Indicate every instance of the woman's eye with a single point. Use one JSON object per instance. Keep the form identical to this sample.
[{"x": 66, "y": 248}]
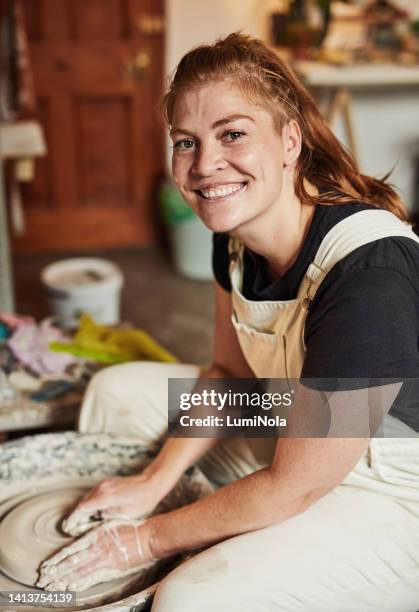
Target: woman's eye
[
  {"x": 186, "y": 143},
  {"x": 234, "y": 134}
]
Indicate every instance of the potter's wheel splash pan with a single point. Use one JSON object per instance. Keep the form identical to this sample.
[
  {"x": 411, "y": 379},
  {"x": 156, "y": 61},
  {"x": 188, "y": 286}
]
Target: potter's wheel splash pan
[
  {"x": 48, "y": 463},
  {"x": 30, "y": 531}
]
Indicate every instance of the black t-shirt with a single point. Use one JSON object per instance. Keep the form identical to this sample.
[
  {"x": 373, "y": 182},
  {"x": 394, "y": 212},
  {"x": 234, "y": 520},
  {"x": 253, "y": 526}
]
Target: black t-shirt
[{"x": 364, "y": 320}]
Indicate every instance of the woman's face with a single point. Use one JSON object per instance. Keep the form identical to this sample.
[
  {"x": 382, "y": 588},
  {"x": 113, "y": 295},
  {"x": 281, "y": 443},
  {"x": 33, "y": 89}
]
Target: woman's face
[{"x": 227, "y": 156}]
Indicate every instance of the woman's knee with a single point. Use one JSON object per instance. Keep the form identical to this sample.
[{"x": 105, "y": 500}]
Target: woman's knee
[
  {"x": 136, "y": 375},
  {"x": 115, "y": 399},
  {"x": 130, "y": 399},
  {"x": 122, "y": 377}
]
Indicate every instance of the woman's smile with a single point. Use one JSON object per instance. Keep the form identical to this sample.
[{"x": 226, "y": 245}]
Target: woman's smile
[{"x": 215, "y": 193}]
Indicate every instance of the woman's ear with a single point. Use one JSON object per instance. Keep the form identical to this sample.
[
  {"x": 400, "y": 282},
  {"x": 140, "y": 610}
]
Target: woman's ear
[{"x": 292, "y": 141}]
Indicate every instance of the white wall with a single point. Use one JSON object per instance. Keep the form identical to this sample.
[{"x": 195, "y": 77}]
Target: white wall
[{"x": 193, "y": 22}]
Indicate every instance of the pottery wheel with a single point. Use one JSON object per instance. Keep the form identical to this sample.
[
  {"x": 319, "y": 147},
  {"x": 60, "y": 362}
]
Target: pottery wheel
[{"x": 31, "y": 531}]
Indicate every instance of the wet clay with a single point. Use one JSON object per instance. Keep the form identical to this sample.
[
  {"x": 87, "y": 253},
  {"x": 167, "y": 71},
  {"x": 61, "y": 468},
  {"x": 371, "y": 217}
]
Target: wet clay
[
  {"x": 49, "y": 462},
  {"x": 190, "y": 487},
  {"x": 31, "y": 531},
  {"x": 80, "y": 550}
]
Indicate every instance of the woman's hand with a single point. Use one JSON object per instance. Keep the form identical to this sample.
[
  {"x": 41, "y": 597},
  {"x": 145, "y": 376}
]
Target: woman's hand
[
  {"x": 120, "y": 497},
  {"x": 114, "y": 549}
]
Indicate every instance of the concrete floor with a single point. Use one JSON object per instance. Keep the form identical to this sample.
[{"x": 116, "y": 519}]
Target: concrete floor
[{"x": 176, "y": 311}]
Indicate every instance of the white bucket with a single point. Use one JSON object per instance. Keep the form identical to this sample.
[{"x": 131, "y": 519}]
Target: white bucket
[
  {"x": 83, "y": 285},
  {"x": 192, "y": 249}
]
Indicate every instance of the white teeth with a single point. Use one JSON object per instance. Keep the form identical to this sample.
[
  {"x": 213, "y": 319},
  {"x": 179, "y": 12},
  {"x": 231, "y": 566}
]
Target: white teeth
[{"x": 220, "y": 192}]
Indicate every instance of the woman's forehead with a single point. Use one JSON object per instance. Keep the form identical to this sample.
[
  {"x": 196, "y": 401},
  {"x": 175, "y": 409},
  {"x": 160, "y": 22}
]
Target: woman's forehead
[{"x": 214, "y": 100}]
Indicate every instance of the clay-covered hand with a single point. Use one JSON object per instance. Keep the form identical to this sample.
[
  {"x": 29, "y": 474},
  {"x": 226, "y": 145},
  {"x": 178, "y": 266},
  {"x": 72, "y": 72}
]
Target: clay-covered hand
[
  {"x": 119, "y": 497},
  {"x": 116, "y": 548}
]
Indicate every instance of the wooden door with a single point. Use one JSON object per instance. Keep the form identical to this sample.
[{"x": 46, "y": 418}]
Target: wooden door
[{"x": 98, "y": 69}]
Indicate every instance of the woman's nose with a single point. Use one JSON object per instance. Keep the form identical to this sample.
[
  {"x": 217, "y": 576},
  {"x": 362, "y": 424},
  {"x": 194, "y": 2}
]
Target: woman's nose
[{"x": 208, "y": 159}]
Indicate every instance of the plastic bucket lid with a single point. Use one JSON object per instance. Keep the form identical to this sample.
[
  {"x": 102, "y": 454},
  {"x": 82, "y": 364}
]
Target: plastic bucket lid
[{"x": 81, "y": 276}]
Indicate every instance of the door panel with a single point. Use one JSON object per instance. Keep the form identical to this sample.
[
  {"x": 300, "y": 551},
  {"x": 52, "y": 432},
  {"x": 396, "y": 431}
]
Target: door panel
[{"x": 98, "y": 77}]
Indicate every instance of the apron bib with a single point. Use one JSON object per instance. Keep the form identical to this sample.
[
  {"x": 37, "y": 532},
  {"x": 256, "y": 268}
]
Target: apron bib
[{"x": 271, "y": 333}]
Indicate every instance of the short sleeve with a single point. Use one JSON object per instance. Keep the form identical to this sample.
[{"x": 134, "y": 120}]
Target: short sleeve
[
  {"x": 363, "y": 324},
  {"x": 220, "y": 260}
]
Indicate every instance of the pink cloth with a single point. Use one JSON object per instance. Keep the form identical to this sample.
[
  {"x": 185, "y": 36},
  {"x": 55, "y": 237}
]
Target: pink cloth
[{"x": 30, "y": 345}]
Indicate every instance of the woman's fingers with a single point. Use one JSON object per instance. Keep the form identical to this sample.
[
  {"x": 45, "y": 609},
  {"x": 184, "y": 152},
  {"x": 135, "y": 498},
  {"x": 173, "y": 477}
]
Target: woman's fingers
[
  {"x": 74, "y": 571},
  {"x": 88, "y": 511},
  {"x": 74, "y": 565},
  {"x": 114, "y": 549},
  {"x": 118, "y": 497},
  {"x": 81, "y": 581},
  {"x": 82, "y": 519},
  {"x": 79, "y": 521},
  {"x": 72, "y": 559},
  {"x": 81, "y": 544},
  {"x": 118, "y": 512}
]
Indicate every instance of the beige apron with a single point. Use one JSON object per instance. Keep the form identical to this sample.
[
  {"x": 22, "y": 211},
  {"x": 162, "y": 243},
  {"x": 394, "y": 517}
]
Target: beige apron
[{"x": 271, "y": 333}]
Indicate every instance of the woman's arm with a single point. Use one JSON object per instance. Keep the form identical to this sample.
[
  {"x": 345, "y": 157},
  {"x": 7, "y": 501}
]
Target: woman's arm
[
  {"x": 178, "y": 454},
  {"x": 137, "y": 495},
  {"x": 303, "y": 470}
]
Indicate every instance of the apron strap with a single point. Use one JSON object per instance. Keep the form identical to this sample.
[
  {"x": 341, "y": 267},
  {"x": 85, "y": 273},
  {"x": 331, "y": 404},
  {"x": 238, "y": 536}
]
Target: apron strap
[
  {"x": 351, "y": 233},
  {"x": 235, "y": 251},
  {"x": 233, "y": 246}
]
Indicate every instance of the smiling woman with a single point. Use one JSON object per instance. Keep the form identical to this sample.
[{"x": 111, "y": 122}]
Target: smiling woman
[
  {"x": 226, "y": 163},
  {"x": 317, "y": 280}
]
